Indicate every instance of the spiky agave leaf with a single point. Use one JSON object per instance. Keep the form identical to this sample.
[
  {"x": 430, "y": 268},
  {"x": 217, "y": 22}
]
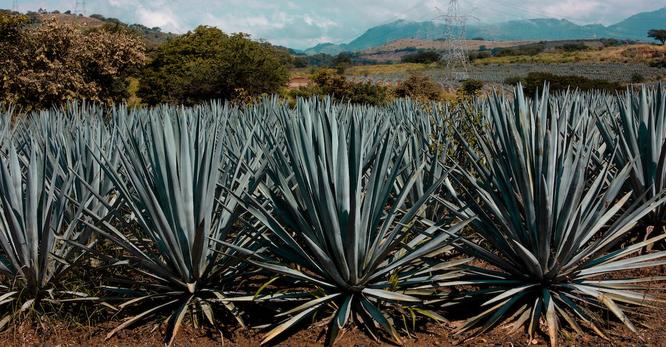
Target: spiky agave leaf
[
  {"x": 182, "y": 183},
  {"x": 33, "y": 224},
  {"x": 637, "y": 125},
  {"x": 340, "y": 228},
  {"x": 552, "y": 221},
  {"x": 425, "y": 136}
]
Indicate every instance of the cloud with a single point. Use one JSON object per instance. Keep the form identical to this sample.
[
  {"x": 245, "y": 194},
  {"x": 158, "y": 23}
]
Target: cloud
[
  {"x": 302, "y": 23},
  {"x": 164, "y": 19}
]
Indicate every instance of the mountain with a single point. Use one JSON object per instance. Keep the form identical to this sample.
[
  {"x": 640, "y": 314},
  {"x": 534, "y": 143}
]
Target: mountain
[
  {"x": 636, "y": 26},
  {"x": 546, "y": 29},
  {"x": 537, "y": 29}
]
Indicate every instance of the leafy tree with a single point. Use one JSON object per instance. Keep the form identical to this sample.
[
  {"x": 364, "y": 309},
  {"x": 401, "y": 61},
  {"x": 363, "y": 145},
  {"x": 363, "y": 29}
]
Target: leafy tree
[
  {"x": 49, "y": 63},
  {"x": 208, "y": 64},
  {"x": 343, "y": 58},
  {"x": 658, "y": 34}
]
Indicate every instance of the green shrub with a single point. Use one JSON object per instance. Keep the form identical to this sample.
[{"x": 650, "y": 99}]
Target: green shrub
[
  {"x": 637, "y": 78},
  {"x": 423, "y": 57},
  {"x": 471, "y": 87},
  {"x": 328, "y": 82},
  {"x": 420, "y": 87},
  {"x": 531, "y": 49},
  {"x": 574, "y": 47}
]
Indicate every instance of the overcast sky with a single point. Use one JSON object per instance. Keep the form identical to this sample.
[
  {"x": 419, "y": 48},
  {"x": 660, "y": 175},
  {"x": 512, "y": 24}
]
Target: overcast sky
[{"x": 304, "y": 23}]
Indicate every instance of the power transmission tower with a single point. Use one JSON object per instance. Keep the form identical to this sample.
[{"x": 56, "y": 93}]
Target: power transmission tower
[
  {"x": 455, "y": 51},
  {"x": 80, "y": 7},
  {"x": 15, "y": 6}
]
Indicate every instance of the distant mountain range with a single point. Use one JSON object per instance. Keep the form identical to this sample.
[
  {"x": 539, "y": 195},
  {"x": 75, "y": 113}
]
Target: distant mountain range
[{"x": 543, "y": 29}]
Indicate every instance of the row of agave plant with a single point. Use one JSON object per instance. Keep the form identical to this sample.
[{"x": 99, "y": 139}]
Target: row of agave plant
[{"x": 539, "y": 216}]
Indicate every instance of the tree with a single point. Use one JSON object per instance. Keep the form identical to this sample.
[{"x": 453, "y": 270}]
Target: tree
[
  {"x": 420, "y": 87},
  {"x": 471, "y": 87},
  {"x": 47, "y": 64},
  {"x": 658, "y": 34},
  {"x": 208, "y": 64}
]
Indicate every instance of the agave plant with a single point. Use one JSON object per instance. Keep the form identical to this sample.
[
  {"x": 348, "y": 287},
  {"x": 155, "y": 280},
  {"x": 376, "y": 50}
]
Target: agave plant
[
  {"x": 425, "y": 138},
  {"x": 339, "y": 225},
  {"x": 640, "y": 134},
  {"x": 551, "y": 221},
  {"x": 33, "y": 228},
  {"x": 180, "y": 182}
]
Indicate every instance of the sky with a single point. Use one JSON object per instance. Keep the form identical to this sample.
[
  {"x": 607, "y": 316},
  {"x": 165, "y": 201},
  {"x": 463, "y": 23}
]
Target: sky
[{"x": 304, "y": 23}]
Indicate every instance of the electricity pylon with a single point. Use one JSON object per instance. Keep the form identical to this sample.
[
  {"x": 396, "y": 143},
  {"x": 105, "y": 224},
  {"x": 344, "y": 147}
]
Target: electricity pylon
[
  {"x": 455, "y": 51},
  {"x": 80, "y": 7}
]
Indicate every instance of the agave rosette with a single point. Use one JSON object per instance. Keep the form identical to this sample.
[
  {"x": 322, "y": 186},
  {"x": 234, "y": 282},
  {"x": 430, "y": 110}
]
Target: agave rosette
[
  {"x": 636, "y": 124},
  {"x": 180, "y": 181},
  {"x": 551, "y": 223},
  {"x": 340, "y": 226},
  {"x": 34, "y": 229}
]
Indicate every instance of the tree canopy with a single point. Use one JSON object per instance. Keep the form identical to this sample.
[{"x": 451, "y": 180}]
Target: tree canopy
[
  {"x": 49, "y": 63},
  {"x": 208, "y": 64},
  {"x": 658, "y": 34}
]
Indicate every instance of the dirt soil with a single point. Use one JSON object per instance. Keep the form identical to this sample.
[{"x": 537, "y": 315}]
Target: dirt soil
[
  {"x": 432, "y": 335},
  {"x": 650, "y": 322}
]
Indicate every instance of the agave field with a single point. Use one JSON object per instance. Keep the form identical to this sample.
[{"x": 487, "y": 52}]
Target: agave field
[
  {"x": 545, "y": 214},
  {"x": 498, "y": 73}
]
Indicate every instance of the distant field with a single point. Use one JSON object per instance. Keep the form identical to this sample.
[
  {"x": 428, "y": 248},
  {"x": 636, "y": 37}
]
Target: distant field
[
  {"x": 619, "y": 64},
  {"x": 364, "y": 70},
  {"x": 440, "y": 44},
  {"x": 394, "y": 51},
  {"x": 630, "y": 54},
  {"x": 498, "y": 73}
]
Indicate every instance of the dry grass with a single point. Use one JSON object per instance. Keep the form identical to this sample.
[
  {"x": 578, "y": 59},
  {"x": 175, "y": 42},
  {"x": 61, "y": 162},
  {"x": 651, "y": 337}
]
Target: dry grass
[{"x": 385, "y": 69}]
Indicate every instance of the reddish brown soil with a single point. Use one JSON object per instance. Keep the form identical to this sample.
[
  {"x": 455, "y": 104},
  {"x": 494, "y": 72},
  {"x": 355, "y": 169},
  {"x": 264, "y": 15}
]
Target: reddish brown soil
[
  {"x": 650, "y": 322},
  {"x": 58, "y": 334}
]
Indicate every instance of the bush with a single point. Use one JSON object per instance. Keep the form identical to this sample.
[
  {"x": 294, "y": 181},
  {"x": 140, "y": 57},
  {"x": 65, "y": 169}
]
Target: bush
[
  {"x": 420, "y": 87},
  {"x": 535, "y": 81},
  {"x": 481, "y": 54},
  {"x": 574, "y": 47},
  {"x": 369, "y": 93},
  {"x": 471, "y": 87},
  {"x": 423, "y": 57},
  {"x": 209, "y": 64},
  {"x": 637, "y": 78},
  {"x": 329, "y": 82},
  {"x": 531, "y": 49},
  {"x": 660, "y": 63}
]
